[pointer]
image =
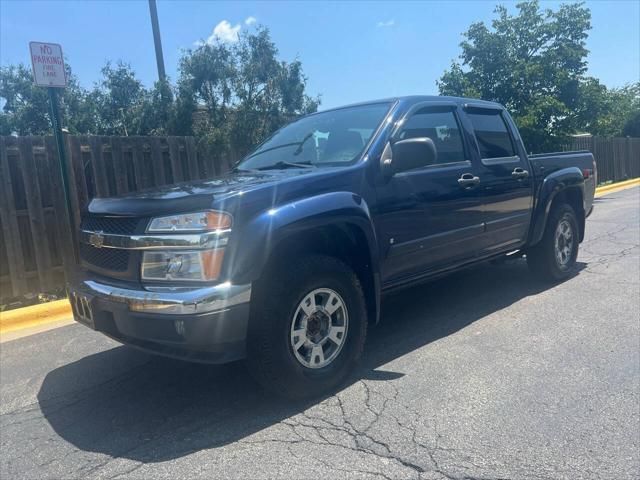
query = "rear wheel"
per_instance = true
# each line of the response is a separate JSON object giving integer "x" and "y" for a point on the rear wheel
{"x": 308, "y": 327}
{"x": 554, "y": 258}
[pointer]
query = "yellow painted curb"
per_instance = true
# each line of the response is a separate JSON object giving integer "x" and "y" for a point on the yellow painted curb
{"x": 616, "y": 187}
{"x": 34, "y": 315}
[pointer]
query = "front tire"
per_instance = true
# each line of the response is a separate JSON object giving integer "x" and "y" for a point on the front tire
{"x": 308, "y": 327}
{"x": 554, "y": 258}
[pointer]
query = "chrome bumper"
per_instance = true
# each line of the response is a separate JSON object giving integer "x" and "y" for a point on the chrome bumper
{"x": 170, "y": 300}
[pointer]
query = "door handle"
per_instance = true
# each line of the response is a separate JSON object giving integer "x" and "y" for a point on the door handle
{"x": 468, "y": 180}
{"x": 519, "y": 173}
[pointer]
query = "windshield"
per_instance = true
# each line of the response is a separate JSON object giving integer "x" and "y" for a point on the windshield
{"x": 337, "y": 137}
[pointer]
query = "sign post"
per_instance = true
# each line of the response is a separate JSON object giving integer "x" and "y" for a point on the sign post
{"x": 48, "y": 71}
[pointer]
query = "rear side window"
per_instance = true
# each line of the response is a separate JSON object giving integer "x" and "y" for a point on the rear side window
{"x": 492, "y": 134}
{"x": 441, "y": 127}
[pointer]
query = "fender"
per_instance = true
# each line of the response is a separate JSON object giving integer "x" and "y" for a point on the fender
{"x": 261, "y": 235}
{"x": 552, "y": 185}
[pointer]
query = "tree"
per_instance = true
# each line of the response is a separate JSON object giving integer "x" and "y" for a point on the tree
{"x": 241, "y": 92}
{"x": 25, "y": 109}
{"x": 157, "y": 114}
{"x": 231, "y": 96}
{"x": 204, "y": 88}
{"x": 126, "y": 108}
{"x": 26, "y": 106}
{"x": 621, "y": 106}
{"x": 119, "y": 97}
{"x": 269, "y": 93}
{"x": 625, "y": 110}
{"x": 632, "y": 127}
{"x": 533, "y": 63}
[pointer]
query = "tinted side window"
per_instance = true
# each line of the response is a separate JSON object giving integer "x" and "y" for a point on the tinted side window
{"x": 493, "y": 137}
{"x": 442, "y": 128}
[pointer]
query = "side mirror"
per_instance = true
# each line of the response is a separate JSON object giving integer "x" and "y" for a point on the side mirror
{"x": 413, "y": 153}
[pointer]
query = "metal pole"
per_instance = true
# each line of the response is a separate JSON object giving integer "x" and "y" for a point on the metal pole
{"x": 156, "y": 39}
{"x": 62, "y": 162}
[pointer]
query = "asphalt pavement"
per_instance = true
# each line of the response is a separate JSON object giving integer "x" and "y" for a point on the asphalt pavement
{"x": 485, "y": 374}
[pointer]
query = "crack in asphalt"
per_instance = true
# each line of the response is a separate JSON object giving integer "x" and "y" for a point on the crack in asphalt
{"x": 361, "y": 440}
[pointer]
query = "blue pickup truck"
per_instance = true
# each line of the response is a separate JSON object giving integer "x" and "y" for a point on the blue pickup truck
{"x": 285, "y": 260}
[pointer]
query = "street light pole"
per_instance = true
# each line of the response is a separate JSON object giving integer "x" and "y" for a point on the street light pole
{"x": 153, "y": 10}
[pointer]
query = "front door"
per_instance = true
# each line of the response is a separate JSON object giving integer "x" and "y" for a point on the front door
{"x": 426, "y": 218}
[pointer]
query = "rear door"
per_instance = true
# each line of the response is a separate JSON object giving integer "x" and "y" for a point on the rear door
{"x": 425, "y": 217}
{"x": 506, "y": 184}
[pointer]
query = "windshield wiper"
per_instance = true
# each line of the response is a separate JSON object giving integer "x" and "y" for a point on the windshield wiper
{"x": 283, "y": 145}
{"x": 283, "y": 165}
{"x": 302, "y": 142}
{"x": 243, "y": 170}
{"x": 260, "y": 152}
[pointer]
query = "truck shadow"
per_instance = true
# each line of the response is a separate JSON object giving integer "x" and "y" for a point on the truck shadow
{"x": 155, "y": 409}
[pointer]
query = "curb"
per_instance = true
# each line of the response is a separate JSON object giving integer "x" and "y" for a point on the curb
{"x": 51, "y": 312}
{"x": 34, "y": 315}
{"x": 615, "y": 187}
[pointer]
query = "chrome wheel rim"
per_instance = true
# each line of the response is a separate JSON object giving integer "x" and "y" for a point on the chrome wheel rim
{"x": 319, "y": 328}
{"x": 564, "y": 243}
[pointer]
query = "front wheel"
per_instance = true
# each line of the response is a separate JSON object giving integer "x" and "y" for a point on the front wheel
{"x": 308, "y": 327}
{"x": 554, "y": 258}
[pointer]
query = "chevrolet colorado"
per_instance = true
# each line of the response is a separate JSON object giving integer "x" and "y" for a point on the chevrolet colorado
{"x": 285, "y": 260}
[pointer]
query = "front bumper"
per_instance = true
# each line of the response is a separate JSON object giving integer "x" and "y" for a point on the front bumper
{"x": 205, "y": 324}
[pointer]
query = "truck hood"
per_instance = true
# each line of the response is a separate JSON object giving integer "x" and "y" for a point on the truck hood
{"x": 191, "y": 196}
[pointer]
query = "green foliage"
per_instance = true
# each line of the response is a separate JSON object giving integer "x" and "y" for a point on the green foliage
{"x": 534, "y": 63}
{"x": 632, "y": 127}
{"x": 26, "y": 107}
{"x": 230, "y": 95}
{"x": 157, "y": 111}
{"x": 241, "y": 92}
{"x": 119, "y": 98}
{"x": 619, "y": 108}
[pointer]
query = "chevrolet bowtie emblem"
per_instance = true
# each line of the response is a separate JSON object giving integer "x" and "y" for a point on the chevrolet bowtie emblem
{"x": 96, "y": 239}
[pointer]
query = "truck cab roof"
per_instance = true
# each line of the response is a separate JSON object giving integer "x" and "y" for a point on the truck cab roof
{"x": 413, "y": 99}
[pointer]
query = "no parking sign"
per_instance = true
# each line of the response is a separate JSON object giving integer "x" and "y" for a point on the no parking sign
{"x": 48, "y": 64}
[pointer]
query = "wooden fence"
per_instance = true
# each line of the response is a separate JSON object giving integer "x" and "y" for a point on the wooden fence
{"x": 617, "y": 158}
{"x": 33, "y": 224}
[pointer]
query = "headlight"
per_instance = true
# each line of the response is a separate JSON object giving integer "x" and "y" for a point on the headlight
{"x": 192, "y": 222}
{"x": 197, "y": 265}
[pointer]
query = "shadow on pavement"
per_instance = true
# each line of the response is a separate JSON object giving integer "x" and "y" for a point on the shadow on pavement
{"x": 161, "y": 409}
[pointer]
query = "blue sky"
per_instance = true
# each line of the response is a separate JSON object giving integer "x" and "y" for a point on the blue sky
{"x": 351, "y": 51}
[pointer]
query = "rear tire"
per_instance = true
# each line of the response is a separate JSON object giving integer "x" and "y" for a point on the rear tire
{"x": 554, "y": 258}
{"x": 308, "y": 327}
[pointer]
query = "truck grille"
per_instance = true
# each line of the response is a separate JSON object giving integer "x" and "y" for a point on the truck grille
{"x": 115, "y": 225}
{"x": 110, "y": 260}
{"x": 105, "y": 258}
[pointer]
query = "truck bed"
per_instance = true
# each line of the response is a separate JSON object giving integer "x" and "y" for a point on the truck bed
{"x": 546, "y": 163}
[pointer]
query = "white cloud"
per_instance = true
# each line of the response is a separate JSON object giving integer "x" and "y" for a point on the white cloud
{"x": 389, "y": 23}
{"x": 224, "y": 32}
